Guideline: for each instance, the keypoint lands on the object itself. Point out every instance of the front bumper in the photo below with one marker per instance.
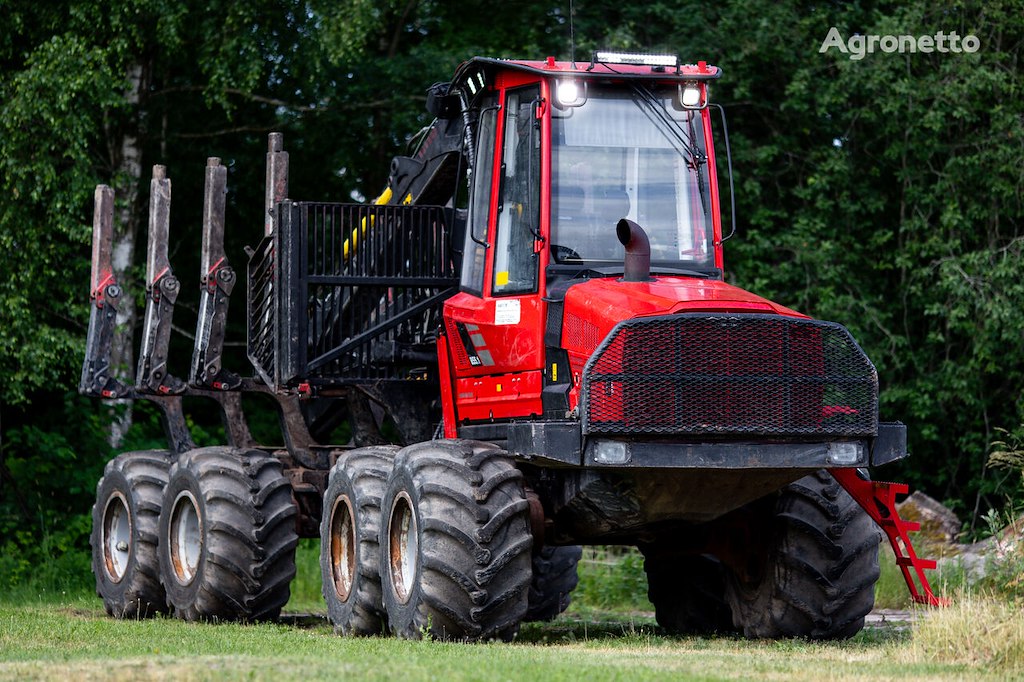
(561, 443)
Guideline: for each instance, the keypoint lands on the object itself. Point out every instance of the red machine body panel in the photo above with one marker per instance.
(593, 308)
(496, 357)
(495, 343)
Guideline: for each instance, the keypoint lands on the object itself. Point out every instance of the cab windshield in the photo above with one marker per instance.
(630, 151)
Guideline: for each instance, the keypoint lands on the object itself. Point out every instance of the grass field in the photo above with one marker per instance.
(608, 634)
(74, 640)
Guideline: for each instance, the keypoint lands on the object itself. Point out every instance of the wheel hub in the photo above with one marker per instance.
(403, 547)
(116, 538)
(185, 537)
(343, 547)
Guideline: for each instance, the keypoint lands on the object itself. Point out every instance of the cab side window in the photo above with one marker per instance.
(515, 259)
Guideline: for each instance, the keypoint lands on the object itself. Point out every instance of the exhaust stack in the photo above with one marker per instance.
(638, 251)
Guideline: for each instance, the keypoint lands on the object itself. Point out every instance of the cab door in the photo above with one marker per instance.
(494, 326)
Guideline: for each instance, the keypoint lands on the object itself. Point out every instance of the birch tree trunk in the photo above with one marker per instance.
(126, 157)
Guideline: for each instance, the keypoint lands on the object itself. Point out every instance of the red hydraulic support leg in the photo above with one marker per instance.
(879, 500)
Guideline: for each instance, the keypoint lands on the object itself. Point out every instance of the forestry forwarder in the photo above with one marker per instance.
(537, 303)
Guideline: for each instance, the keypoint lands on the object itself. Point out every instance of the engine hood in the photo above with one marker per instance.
(592, 308)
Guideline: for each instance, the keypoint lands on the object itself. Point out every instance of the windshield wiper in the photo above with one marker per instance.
(697, 163)
(654, 106)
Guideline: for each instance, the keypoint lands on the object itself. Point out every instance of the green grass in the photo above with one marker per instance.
(306, 595)
(612, 580)
(73, 639)
(977, 628)
(608, 633)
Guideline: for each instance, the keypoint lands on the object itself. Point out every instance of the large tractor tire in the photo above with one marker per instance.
(227, 536)
(554, 579)
(687, 591)
(350, 540)
(455, 543)
(124, 534)
(817, 579)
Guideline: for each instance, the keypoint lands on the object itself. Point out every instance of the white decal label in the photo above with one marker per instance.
(507, 311)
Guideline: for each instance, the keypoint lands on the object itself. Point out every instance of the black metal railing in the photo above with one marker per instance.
(349, 293)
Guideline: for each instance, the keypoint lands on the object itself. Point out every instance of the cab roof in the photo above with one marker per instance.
(595, 68)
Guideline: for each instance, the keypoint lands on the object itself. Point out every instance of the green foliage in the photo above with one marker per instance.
(1004, 571)
(50, 118)
(49, 481)
(611, 579)
(1004, 574)
(307, 595)
(882, 193)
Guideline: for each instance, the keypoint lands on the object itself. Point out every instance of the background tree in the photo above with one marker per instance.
(884, 193)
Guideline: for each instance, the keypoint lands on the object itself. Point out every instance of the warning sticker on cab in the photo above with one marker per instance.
(507, 311)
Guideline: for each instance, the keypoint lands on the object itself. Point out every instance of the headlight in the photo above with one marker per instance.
(692, 95)
(845, 454)
(569, 93)
(611, 452)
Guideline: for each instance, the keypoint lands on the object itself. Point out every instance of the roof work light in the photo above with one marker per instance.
(569, 93)
(693, 95)
(664, 60)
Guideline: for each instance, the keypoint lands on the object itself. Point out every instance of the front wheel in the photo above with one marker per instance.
(455, 543)
(227, 536)
(124, 534)
(817, 577)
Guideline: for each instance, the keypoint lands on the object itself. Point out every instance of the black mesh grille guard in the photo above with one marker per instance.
(718, 374)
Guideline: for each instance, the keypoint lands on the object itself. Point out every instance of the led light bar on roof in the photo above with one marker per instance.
(636, 58)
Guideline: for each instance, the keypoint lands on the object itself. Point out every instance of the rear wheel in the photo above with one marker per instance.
(124, 534)
(554, 579)
(349, 540)
(687, 591)
(818, 576)
(227, 536)
(455, 543)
